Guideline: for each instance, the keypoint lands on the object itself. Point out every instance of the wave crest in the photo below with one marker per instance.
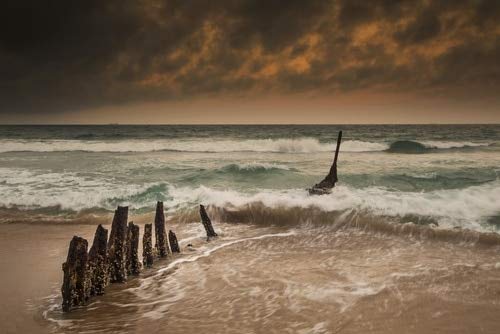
(283, 145)
(415, 147)
(254, 167)
(469, 207)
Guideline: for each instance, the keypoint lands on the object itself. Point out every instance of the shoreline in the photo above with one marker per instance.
(42, 248)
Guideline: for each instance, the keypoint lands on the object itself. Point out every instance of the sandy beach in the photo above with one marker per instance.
(300, 279)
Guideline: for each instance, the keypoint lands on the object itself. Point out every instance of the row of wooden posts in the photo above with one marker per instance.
(113, 260)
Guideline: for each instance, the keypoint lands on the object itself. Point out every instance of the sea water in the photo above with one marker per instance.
(394, 248)
(441, 174)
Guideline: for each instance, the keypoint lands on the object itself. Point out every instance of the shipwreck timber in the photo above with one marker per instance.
(174, 245)
(147, 246)
(87, 274)
(133, 264)
(75, 289)
(98, 264)
(207, 223)
(117, 246)
(160, 232)
(328, 183)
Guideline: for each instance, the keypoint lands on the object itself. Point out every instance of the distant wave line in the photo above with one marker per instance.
(284, 145)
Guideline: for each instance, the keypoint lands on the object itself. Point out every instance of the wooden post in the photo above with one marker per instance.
(98, 262)
(160, 234)
(174, 245)
(133, 264)
(117, 246)
(207, 223)
(75, 291)
(147, 246)
(326, 185)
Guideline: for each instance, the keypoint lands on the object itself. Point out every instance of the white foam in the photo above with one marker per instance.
(362, 146)
(38, 188)
(251, 166)
(451, 144)
(284, 145)
(463, 207)
(344, 295)
(467, 207)
(145, 283)
(280, 145)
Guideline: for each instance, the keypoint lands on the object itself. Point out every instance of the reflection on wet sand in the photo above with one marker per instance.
(303, 279)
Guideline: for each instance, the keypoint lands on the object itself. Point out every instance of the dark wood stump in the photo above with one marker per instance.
(75, 290)
(147, 246)
(98, 268)
(160, 233)
(174, 245)
(133, 264)
(207, 223)
(117, 246)
(328, 183)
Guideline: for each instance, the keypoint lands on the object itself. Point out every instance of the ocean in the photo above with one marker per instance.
(358, 258)
(447, 175)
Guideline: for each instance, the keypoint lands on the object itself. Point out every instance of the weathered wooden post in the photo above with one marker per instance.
(98, 262)
(147, 246)
(117, 246)
(174, 245)
(207, 223)
(133, 264)
(160, 234)
(326, 185)
(75, 291)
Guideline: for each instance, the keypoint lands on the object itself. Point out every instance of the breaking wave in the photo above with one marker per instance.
(415, 147)
(470, 207)
(300, 145)
(256, 167)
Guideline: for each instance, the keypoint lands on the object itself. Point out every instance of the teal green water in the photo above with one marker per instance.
(448, 173)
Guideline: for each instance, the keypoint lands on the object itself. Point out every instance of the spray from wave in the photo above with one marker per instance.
(30, 189)
(285, 145)
(467, 207)
(302, 145)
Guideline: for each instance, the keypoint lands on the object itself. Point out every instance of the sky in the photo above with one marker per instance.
(250, 61)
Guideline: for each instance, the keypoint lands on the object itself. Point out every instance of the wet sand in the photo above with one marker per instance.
(254, 279)
(31, 257)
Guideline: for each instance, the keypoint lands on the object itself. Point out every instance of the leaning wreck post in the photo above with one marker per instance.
(75, 291)
(207, 223)
(174, 245)
(160, 234)
(147, 246)
(133, 264)
(98, 262)
(117, 246)
(325, 186)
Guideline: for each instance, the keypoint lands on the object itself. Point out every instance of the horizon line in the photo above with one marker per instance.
(227, 124)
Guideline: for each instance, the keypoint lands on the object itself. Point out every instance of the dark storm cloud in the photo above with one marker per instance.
(425, 26)
(58, 55)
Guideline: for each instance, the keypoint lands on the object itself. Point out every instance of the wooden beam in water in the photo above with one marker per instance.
(98, 264)
(75, 290)
(160, 233)
(326, 185)
(207, 223)
(117, 246)
(147, 246)
(174, 245)
(133, 264)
